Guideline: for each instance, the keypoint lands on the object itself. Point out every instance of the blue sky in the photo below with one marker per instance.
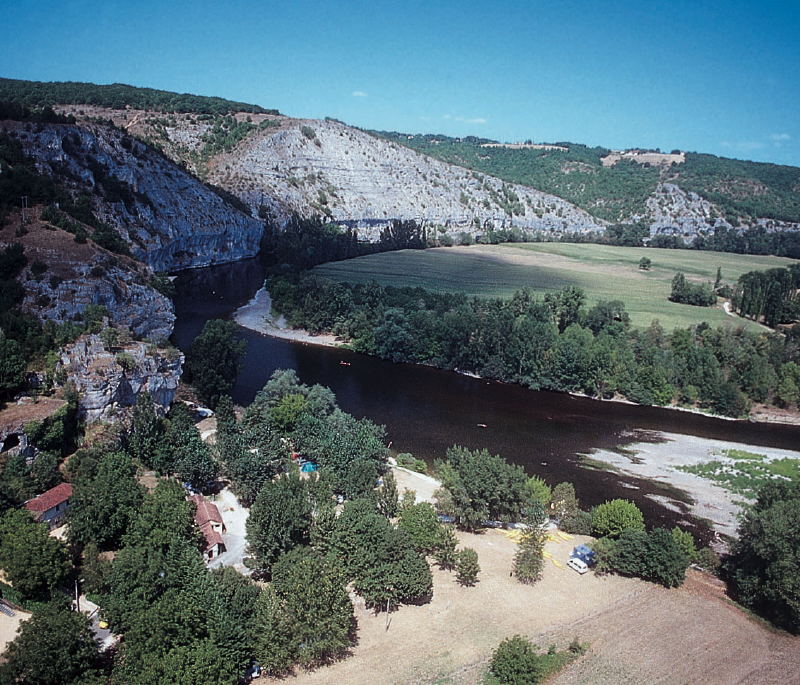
(719, 77)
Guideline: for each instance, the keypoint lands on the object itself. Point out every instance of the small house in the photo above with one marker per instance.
(51, 507)
(209, 521)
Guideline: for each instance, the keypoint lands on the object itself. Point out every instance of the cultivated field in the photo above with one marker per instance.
(604, 272)
(637, 632)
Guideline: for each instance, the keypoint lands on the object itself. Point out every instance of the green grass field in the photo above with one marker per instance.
(604, 272)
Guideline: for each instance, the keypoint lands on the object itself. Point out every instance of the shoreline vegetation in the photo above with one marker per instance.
(256, 315)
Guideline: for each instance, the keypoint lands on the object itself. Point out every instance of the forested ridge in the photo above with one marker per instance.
(38, 94)
(741, 189)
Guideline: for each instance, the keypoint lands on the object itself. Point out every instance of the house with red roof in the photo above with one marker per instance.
(209, 521)
(51, 507)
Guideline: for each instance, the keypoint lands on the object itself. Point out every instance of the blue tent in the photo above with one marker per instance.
(584, 553)
(308, 467)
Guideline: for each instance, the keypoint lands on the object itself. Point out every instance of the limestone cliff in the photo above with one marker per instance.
(169, 218)
(108, 380)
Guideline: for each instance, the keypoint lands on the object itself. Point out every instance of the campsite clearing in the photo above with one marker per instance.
(450, 640)
(604, 272)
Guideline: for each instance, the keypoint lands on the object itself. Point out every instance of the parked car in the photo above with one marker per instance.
(578, 565)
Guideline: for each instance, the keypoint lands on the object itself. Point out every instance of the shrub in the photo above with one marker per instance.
(515, 662)
(563, 502)
(685, 541)
(706, 558)
(445, 552)
(539, 490)
(421, 524)
(578, 524)
(467, 566)
(613, 517)
(653, 556)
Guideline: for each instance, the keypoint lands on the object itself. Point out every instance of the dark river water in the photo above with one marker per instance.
(427, 410)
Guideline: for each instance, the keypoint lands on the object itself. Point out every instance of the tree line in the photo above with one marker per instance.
(555, 342)
(117, 96)
(770, 296)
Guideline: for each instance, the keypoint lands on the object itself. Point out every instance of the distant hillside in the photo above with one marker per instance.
(621, 189)
(117, 96)
(279, 166)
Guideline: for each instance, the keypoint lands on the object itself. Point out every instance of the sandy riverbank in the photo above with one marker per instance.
(257, 316)
(658, 460)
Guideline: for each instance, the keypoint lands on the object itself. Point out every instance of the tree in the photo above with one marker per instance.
(103, 505)
(145, 432)
(388, 500)
(214, 360)
(279, 520)
(53, 647)
(612, 517)
(645, 264)
(164, 517)
(305, 617)
(422, 526)
(516, 662)
(182, 451)
(445, 551)
(539, 490)
(378, 558)
(529, 559)
(764, 562)
(467, 566)
(653, 556)
(35, 563)
(563, 501)
(685, 541)
(12, 365)
(484, 487)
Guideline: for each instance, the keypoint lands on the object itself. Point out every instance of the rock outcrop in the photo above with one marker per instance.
(109, 380)
(68, 276)
(170, 219)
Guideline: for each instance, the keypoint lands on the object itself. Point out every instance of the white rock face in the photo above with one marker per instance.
(356, 178)
(105, 386)
(675, 211)
(170, 220)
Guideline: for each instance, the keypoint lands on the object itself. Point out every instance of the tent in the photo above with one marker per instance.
(584, 553)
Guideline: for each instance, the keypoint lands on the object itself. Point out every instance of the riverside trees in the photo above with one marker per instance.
(552, 343)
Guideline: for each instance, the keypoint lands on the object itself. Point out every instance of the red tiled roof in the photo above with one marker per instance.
(205, 511)
(52, 498)
(212, 536)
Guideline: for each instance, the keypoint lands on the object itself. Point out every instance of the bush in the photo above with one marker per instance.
(409, 461)
(613, 517)
(685, 541)
(515, 662)
(578, 524)
(422, 526)
(563, 502)
(539, 490)
(706, 558)
(445, 553)
(467, 566)
(653, 556)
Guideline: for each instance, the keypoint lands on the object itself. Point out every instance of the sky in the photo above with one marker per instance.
(707, 76)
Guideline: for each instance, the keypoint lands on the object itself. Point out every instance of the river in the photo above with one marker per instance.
(427, 410)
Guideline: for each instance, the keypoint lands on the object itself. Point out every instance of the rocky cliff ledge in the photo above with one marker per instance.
(109, 380)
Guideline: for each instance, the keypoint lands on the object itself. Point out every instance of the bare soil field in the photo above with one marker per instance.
(637, 632)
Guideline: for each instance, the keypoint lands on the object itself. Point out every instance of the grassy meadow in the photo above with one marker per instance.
(605, 272)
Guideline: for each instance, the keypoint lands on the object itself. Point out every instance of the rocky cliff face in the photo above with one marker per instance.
(108, 380)
(69, 276)
(324, 167)
(170, 220)
(674, 211)
(282, 166)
